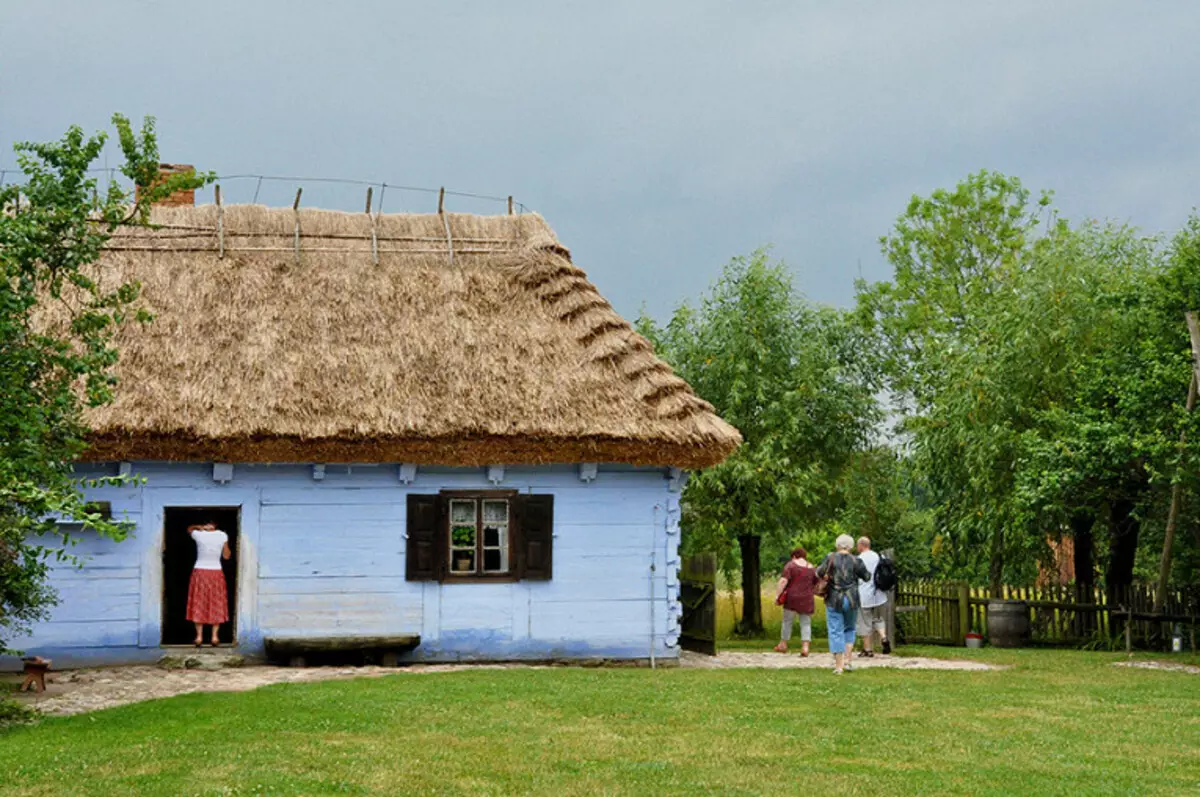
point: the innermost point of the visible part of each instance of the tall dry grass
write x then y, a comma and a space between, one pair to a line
729, 609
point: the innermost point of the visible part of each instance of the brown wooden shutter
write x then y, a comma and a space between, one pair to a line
423, 554
536, 540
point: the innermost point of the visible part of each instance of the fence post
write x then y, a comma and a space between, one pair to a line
964, 613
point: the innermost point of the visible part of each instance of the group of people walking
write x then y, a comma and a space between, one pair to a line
854, 601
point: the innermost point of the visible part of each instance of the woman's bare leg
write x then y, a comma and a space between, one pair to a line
214, 638
199, 634
804, 648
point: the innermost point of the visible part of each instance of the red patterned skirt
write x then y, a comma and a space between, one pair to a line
207, 599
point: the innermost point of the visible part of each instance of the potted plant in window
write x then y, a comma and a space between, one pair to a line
462, 537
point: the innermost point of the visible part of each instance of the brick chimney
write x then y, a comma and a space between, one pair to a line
179, 198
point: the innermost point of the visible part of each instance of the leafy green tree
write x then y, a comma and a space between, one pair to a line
1040, 370
796, 380
954, 254
57, 322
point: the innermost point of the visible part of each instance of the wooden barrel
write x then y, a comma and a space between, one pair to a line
1008, 623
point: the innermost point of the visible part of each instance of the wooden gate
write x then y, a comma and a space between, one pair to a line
698, 594
933, 612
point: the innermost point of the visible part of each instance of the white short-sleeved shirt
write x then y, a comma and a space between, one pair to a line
868, 596
209, 545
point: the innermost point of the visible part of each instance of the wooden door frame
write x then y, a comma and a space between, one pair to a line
247, 502
237, 574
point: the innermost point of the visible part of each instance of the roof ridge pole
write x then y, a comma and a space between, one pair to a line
296, 211
445, 222
510, 204
374, 235
220, 222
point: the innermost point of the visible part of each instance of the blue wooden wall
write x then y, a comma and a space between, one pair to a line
327, 558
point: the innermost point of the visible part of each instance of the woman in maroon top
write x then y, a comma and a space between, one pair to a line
795, 594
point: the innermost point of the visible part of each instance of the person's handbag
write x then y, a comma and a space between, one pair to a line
783, 593
824, 582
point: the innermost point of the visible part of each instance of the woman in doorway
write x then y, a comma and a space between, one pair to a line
208, 603
844, 570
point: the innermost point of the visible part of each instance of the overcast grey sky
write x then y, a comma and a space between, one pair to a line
658, 138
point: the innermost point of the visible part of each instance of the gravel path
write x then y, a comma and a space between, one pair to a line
1160, 665
776, 661
79, 691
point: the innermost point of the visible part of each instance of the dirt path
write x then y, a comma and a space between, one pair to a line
79, 691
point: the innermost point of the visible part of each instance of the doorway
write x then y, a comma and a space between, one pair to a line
179, 557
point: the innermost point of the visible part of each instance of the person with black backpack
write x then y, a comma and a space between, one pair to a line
873, 597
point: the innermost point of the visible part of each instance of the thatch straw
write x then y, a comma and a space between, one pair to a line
507, 356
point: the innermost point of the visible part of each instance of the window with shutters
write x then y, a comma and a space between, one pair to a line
487, 535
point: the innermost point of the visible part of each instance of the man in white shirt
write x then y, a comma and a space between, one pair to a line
873, 614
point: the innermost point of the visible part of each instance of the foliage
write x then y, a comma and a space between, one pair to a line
883, 502
1059, 721
796, 380
57, 322
1039, 372
13, 713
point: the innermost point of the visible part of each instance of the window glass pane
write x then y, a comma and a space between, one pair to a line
462, 512
495, 511
462, 536
495, 551
462, 561
492, 560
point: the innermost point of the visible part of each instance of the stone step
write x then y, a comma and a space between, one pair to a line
202, 659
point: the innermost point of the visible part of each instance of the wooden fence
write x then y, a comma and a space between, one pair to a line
942, 612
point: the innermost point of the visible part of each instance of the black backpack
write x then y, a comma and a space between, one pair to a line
885, 575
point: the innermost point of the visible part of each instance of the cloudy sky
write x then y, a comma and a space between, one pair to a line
658, 138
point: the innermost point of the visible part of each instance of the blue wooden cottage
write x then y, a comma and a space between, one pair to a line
429, 426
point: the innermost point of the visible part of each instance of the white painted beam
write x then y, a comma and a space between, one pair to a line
318, 472
588, 471
408, 472
222, 472
495, 473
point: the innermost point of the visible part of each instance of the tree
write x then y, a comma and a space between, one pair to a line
58, 319
954, 253
1040, 371
794, 378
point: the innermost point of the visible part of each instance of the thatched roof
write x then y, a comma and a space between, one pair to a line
507, 354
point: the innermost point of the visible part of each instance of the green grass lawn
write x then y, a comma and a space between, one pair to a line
1054, 723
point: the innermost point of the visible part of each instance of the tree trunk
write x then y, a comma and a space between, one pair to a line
1085, 568
751, 622
1164, 564
1122, 550
996, 567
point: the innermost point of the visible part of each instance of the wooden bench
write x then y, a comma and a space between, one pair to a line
295, 650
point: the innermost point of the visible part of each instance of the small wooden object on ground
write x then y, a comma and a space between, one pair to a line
35, 674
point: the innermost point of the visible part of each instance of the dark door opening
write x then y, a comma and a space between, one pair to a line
179, 557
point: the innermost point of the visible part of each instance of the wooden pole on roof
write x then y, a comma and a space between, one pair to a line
510, 205
1164, 565
374, 233
220, 222
445, 221
296, 210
